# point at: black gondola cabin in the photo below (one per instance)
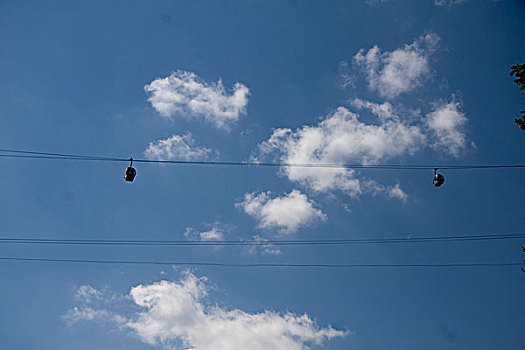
(130, 172)
(438, 179)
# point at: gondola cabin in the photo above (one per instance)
(438, 179)
(130, 172)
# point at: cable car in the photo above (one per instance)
(130, 172)
(438, 179)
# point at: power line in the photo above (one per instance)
(12, 153)
(435, 239)
(259, 265)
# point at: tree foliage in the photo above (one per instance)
(522, 269)
(518, 71)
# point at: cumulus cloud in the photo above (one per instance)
(175, 315)
(212, 232)
(341, 138)
(185, 94)
(181, 147)
(402, 70)
(288, 212)
(211, 235)
(446, 122)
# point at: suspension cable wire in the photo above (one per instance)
(12, 153)
(58, 155)
(259, 265)
(428, 239)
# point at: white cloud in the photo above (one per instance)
(212, 232)
(344, 75)
(376, 189)
(185, 94)
(341, 138)
(174, 315)
(446, 122)
(448, 2)
(87, 296)
(212, 235)
(375, 2)
(397, 192)
(89, 314)
(383, 111)
(181, 147)
(263, 247)
(288, 212)
(398, 71)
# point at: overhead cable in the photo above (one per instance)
(12, 153)
(260, 265)
(427, 239)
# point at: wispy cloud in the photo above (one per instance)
(383, 110)
(436, 2)
(184, 94)
(264, 247)
(375, 2)
(397, 192)
(448, 2)
(180, 147)
(288, 212)
(399, 71)
(344, 75)
(176, 315)
(87, 298)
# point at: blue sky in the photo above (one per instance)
(361, 82)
